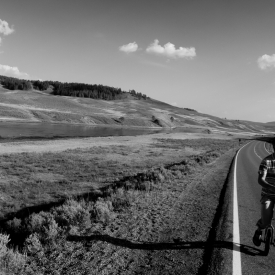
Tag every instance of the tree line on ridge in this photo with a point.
(69, 89)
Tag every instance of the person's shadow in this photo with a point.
(176, 245)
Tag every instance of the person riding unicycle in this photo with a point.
(266, 179)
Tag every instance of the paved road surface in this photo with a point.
(253, 260)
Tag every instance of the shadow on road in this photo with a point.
(177, 245)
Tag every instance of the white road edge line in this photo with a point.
(237, 264)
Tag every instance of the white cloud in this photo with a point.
(4, 28)
(266, 62)
(170, 51)
(129, 48)
(12, 71)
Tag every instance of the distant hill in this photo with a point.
(36, 105)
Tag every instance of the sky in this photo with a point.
(214, 56)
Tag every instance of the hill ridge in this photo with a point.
(41, 106)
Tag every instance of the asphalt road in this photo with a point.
(252, 259)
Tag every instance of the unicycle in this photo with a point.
(268, 238)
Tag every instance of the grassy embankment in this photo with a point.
(37, 106)
(157, 197)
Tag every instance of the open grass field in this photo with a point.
(118, 206)
(113, 205)
(29, 179)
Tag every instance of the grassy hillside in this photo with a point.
(37, 106)
(271, 124)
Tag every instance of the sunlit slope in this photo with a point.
(44, 107)
(271, 124)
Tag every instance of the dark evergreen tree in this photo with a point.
(69, 89)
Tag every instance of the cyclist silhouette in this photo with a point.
(266, 179)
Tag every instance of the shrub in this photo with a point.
(73, 213)
(33, 244)
(181, 168)
(36, 222)
(103, 211)
(216, 154)
(160, 177)
(14, 225)
(45, 226)
(51, 230)
(156, 121)
(11, 261)
(120, 199)
(177, 174)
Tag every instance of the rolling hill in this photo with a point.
(42, 106)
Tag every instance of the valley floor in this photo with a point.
(60, 145)
(162, 227)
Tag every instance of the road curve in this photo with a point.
(253, 260)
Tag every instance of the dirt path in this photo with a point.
(65, 144)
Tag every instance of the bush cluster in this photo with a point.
(205, 144)
(45, 232)
(11, 260)
(149, 179)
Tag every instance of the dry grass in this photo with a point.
(30, 179)
(37, 106)
(127, 230)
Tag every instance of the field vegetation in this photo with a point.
(113, 209)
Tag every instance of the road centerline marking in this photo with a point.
(269, 152)
(256, 153)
